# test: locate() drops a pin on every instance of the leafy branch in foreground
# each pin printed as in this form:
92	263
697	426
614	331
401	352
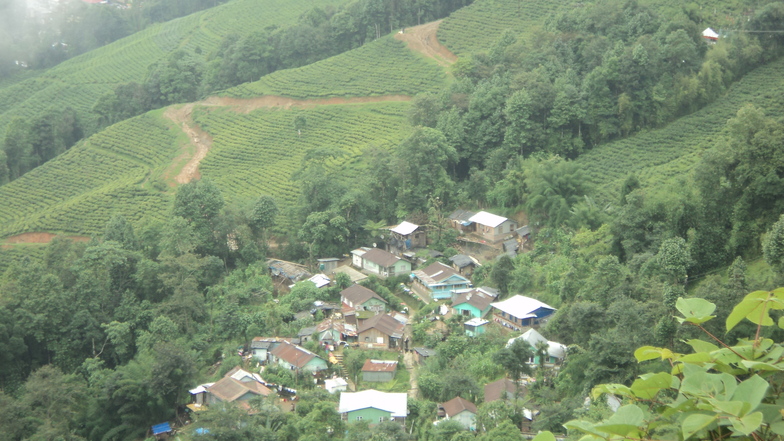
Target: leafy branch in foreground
716	392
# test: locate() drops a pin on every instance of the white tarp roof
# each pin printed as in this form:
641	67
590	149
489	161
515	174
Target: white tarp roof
405	228
320	280
520	306
710	33
532	337
476	321
489	219
200	388
395	403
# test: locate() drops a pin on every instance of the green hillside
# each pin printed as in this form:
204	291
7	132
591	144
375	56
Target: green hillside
673	150
383	67
477	26
80	81
256	153
109	173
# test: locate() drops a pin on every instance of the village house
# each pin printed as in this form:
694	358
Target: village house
506	390
460	410
556	352
320	280
237	385
295	357
379	262
332	330
407	236
475	327
437	281
380	332
472	302
379	371
260	346
520	312
460	220
373	406
491	227
423	354
286	273
464	264
359	298
333	385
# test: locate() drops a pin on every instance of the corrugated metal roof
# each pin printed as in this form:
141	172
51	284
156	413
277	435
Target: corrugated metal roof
521	306
229	389
457	405
461	260
461	215
358	294
293	354
476	321
379	366
489	219
425	352
405	228
384	324
381	257
436	273
475	298
394	403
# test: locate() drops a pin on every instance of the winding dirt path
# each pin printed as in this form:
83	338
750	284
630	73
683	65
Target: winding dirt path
40	237
423	39
199	138
420	38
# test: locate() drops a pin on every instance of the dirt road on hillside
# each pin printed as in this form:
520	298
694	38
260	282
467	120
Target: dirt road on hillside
423	39
199	138
37	238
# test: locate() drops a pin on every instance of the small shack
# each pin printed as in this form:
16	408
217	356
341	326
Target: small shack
379	371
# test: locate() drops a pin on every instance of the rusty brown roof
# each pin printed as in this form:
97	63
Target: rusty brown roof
229	389
381	257
358	294
379	366
293	354
384	324
457	405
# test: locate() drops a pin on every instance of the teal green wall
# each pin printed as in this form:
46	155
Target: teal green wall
475	312
369	414
316	364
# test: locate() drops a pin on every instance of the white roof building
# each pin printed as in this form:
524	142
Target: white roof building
710	34
333	385
395	403
522	306
405	228
489	219
554	349
320	280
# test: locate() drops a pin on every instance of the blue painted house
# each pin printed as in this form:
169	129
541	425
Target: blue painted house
518	312
438	281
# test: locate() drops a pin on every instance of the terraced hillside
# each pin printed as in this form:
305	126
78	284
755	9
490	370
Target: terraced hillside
257	153
384	67
79	82
112	172
673	151
478	26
